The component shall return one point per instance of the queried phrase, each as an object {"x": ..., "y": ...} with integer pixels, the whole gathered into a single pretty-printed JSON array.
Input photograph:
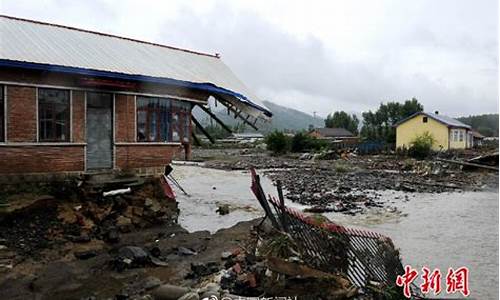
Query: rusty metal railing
[{"x": 367, "y": 258}]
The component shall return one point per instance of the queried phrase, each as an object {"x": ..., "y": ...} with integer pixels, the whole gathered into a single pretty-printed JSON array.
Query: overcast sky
[{"x": 318, "y": 56}]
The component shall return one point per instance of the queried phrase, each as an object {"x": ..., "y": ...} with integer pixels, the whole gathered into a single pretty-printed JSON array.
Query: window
[
  {"x": 2, "y": 114},
  {"x": 53, "y": 115},
  {"x": 461, "y": 136},
  {"x": 181, "y": 121},
  {"x": 424, "y": 119},
  {"x": 163, "y": 120},
  {"x": 455, "y": 135}
]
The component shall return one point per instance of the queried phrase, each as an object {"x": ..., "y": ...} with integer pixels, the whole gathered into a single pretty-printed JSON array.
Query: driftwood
[{"x": 464, "y": 163}]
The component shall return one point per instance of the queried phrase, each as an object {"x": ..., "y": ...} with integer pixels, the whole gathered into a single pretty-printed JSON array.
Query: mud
[{"x": 352, "y": 183}]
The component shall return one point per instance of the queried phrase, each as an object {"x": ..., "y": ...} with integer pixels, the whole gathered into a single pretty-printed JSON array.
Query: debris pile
[
  {"x": 33, "y": 223},
  {"x": 268, "y": 264}
]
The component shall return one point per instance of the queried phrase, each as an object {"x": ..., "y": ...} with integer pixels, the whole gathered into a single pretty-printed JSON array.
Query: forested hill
[{"x": 486, "y": 124}]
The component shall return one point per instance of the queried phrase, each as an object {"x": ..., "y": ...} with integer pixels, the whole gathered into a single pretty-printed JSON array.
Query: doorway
[{"x": 99, "y": 131}]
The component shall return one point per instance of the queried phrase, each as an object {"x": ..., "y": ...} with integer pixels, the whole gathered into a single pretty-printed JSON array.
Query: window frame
[
  {"x": 67, "y": 119},
  {"x": 177, "y": 114},
  {"x": 3, "y": 114},
  {"x": 461, "y": 135}
]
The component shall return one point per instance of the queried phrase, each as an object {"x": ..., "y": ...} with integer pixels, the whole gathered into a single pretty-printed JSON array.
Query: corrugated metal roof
[
  {"x": 334, "y": 132},
  {"x": 440, "y": 118},
  {"x": 54, "y": 45},
  {"x": 448, "y": 120}
]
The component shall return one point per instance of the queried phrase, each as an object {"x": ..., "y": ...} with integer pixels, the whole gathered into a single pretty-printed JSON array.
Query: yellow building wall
[
  {"x": 409, "y": 130},
  {"x": 458, "y": 144}
]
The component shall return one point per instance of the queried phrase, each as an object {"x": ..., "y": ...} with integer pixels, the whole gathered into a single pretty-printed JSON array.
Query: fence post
[{"x": 282, "y": 205}]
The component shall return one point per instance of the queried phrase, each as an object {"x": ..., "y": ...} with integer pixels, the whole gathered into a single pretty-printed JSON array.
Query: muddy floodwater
[
  {"x": 434, "y": 230},
  {"x": 210, "y": 188}
]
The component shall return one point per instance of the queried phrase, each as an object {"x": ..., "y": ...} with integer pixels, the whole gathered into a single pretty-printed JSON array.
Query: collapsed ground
[{"x": 60, "y": 241}]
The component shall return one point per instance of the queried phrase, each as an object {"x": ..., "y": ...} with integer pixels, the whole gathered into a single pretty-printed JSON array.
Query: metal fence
[{"x": 365, "y": 257}]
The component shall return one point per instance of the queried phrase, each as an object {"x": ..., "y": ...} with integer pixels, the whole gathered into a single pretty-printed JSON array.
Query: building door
[{"x": 99, "y": 131}]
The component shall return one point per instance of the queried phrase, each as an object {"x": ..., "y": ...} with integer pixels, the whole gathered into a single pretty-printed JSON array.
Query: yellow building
[{"x": 448, "y": 133}]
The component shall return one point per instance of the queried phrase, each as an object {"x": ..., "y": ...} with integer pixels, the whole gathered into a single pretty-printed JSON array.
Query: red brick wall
[
  {"x": 78, "y": 116},
  {"x": 36, "y": 159},
  {"x": 21, "y": 109},
  {"x": 124, "y": 118},
  {"x": 141, "y": 156}
]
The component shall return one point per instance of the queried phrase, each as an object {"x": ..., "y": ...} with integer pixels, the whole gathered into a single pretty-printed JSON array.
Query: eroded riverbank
[{"x": 441, "y": 230}]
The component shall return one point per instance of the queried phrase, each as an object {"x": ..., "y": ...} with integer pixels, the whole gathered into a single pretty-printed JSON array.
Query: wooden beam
[
  {"x": 237, "y": 114},
  {"x": 464, "y": 163},
  {"x": 213, "y": 116},
  {"x": 195, "y": 138},
  {"x": 229, "y": 108},
  {"x": 202, "y": 130}
]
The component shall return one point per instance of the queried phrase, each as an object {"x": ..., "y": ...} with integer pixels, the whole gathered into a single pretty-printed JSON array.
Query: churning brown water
[{"x": 433, "y": 230}]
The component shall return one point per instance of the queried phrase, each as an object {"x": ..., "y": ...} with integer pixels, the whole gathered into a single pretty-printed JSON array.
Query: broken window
[
  {"x": 424, "y": 119},
  {"x": 181, "y": 121},
  {"x": 163, "y": 120},
  {"x": 2, "y": 114},
  {"x": 53, "y": 115}
]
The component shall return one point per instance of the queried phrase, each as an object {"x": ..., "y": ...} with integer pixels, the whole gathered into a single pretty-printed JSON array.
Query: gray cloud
[{"x": 283, "y": 66}]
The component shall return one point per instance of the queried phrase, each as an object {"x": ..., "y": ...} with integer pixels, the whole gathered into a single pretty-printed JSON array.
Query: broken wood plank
[
  {"x": 464, "y": 163},
  {"x": 198, "y": 125},
  {"x": 213, "y": 116},
  {"x": 230, "y": 108}
]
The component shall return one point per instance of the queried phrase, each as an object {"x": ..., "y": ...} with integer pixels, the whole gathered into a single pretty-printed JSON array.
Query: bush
[
  {"x": 421, "y": 146},
  {"x": 300, "y": 142},
  {"x": 303, "y": 142},
  {"x": 278, "y": 142}
]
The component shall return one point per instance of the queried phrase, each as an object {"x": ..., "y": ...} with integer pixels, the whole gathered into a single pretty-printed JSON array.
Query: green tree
[
  {"x": 217, "y": 132},
  {"x": 379, "y": 125},
  {"x": 278, "y": 142},
  {"x": 487, "y": 124},
  {"x": 341, "y": 119},
  {"x": 301, "y": 141}
]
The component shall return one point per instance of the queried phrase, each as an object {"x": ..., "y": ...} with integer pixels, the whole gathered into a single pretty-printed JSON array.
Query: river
[{"x": 434, "y": 230}]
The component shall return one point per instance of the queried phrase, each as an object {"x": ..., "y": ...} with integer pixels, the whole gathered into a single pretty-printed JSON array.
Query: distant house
[
  {"x": 477, "y": 138},
  {"x": 448, "y": 133},
  {"x": 331, "y": 133}
]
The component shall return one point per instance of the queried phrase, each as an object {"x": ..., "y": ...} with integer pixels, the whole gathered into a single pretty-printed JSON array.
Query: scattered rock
[
  {"x": 185, "y": 251},
  {"x": 124, "y": 224},
  {"x": 223, "y": 209},
  {"x": 169, "y": 292},
  {"x": 151, "y": 283},
  {"x": 199, "y": 269},
  {"x": 190, "y": 296},
  {"x": 85, "y": 254},
  {"x": 226, "y": 255}
]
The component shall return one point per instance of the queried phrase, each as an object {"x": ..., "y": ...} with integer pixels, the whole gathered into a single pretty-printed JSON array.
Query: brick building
[{"x": 73, "y": 100}]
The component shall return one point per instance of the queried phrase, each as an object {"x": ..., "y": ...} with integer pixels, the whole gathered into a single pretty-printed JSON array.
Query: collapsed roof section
[{"x": 44, "y": 46}]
